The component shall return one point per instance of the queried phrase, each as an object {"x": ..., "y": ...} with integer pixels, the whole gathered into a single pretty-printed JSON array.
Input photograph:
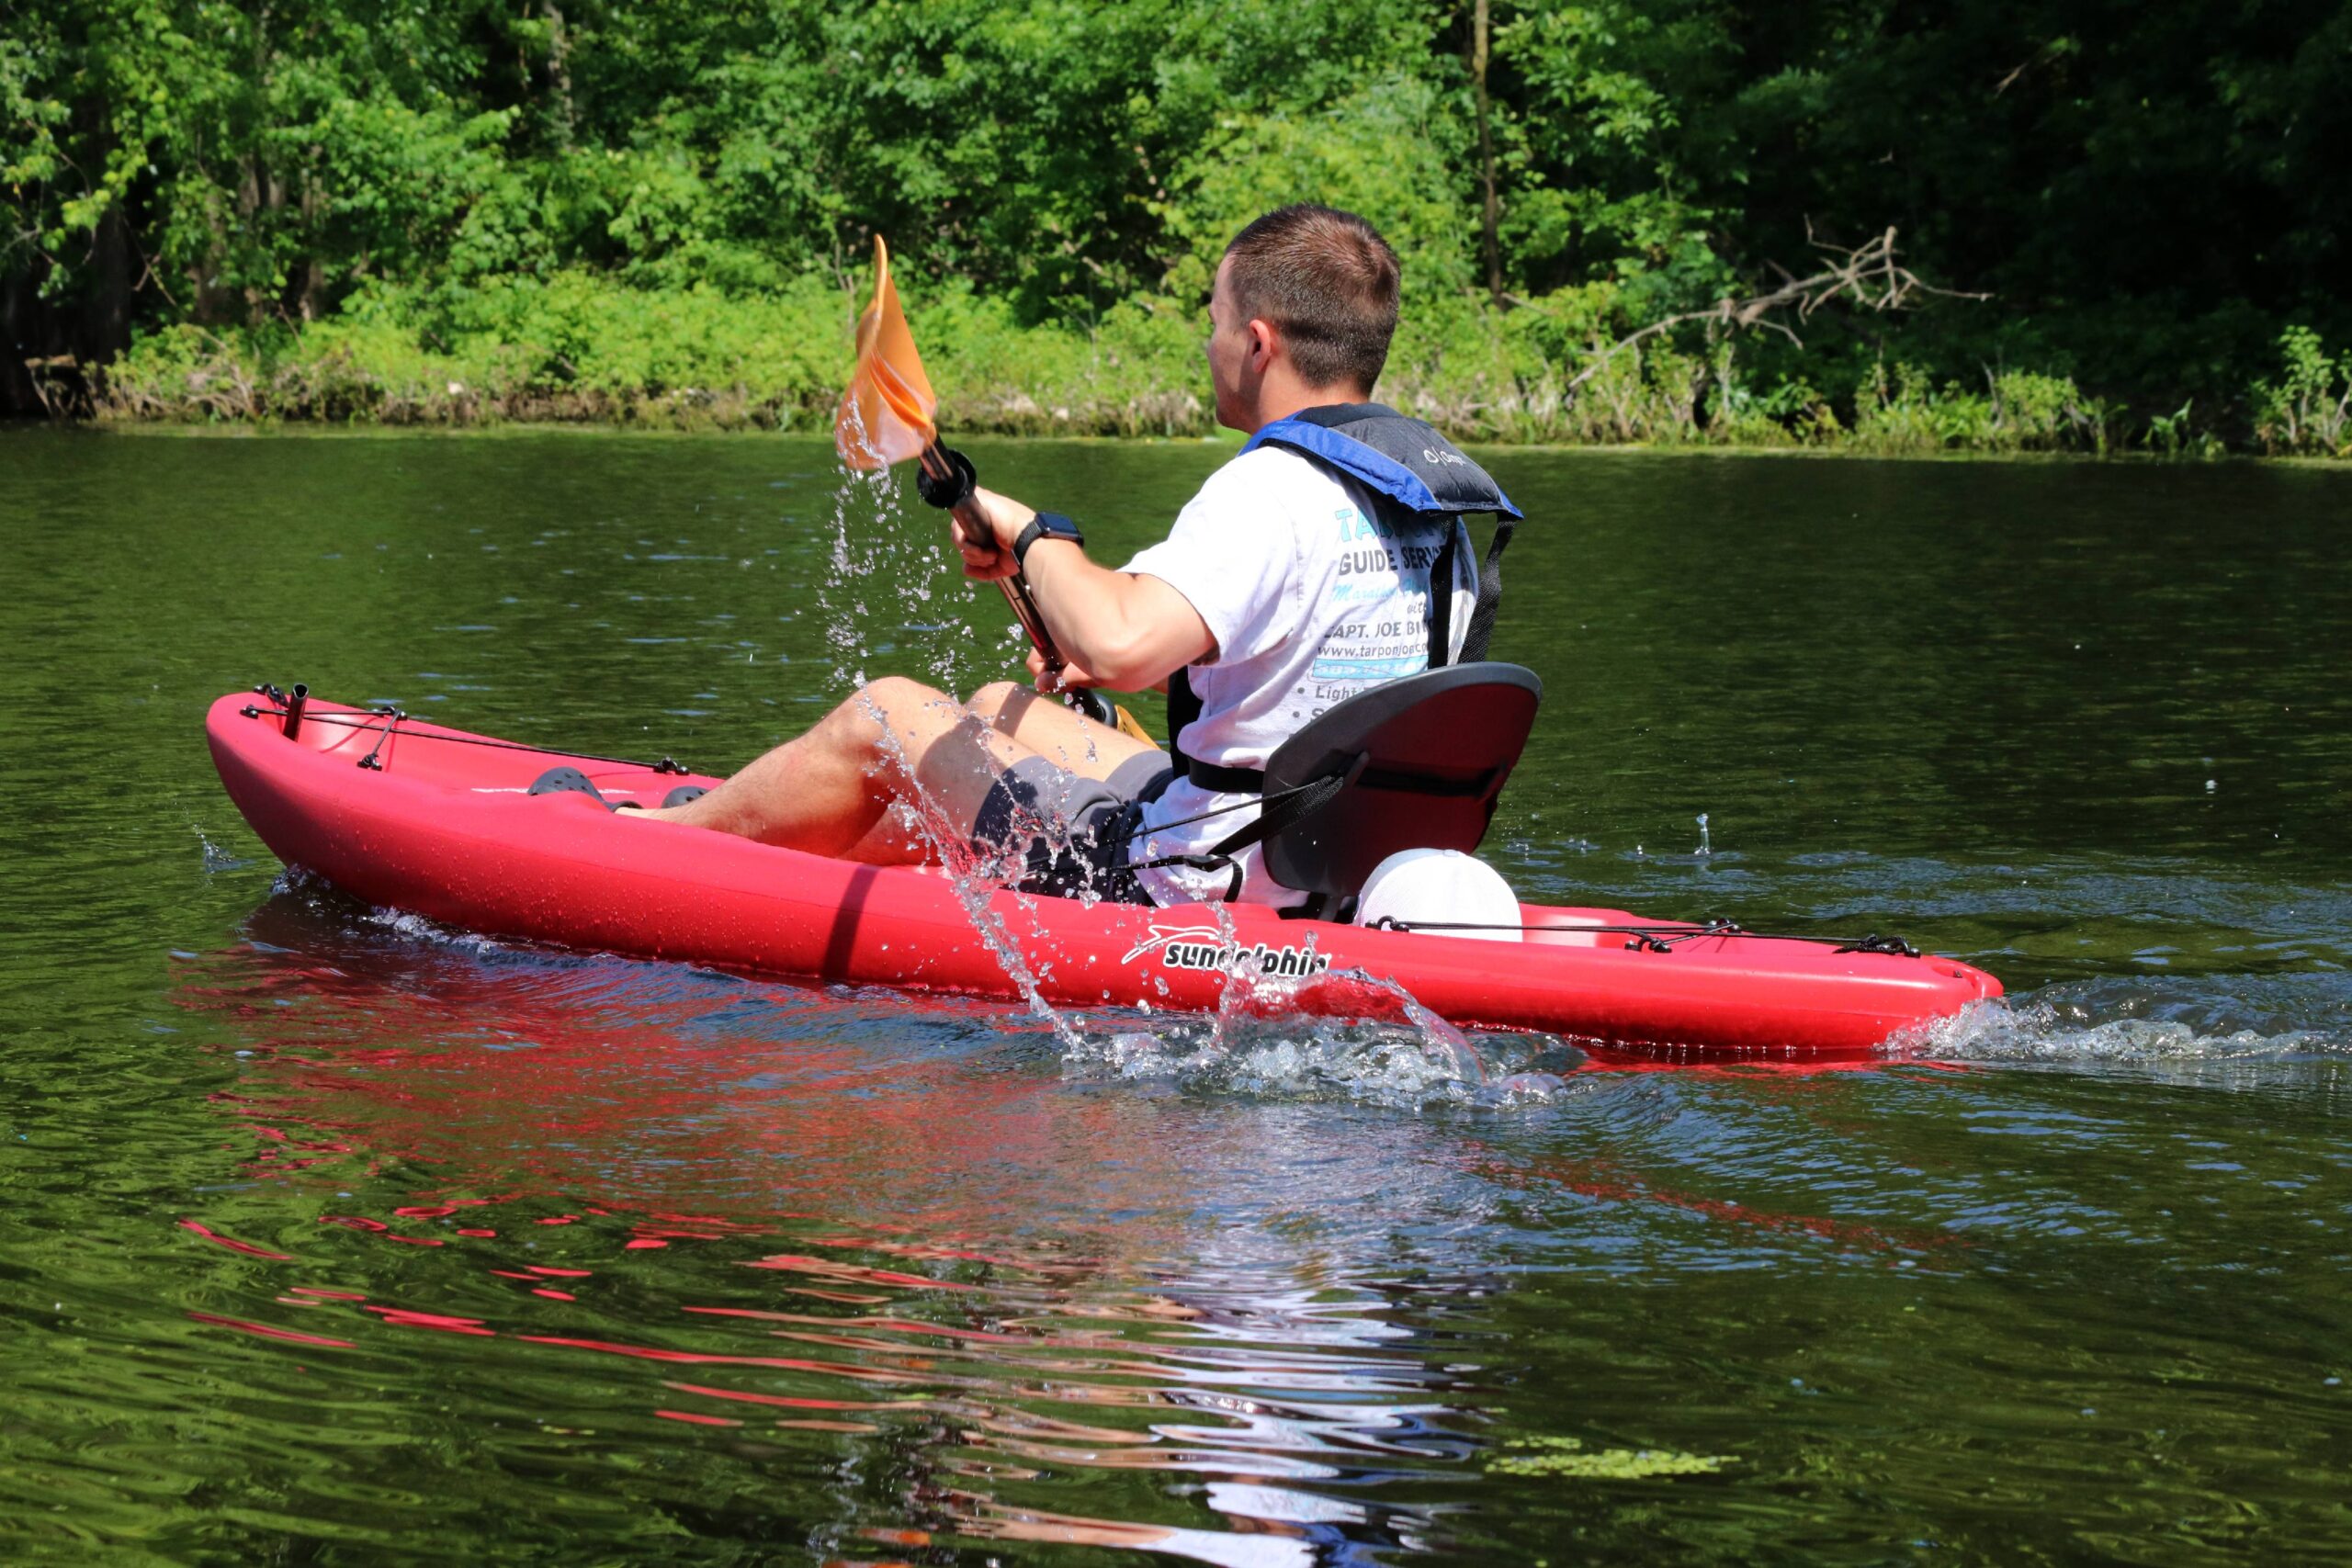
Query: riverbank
[{"x": 577, "y": 349}]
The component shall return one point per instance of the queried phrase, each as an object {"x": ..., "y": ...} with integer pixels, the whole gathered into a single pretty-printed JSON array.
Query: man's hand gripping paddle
[{"x": 886, "y": 417}]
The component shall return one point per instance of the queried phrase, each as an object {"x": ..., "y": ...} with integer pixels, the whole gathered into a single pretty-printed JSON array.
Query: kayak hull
[{"x": 441, "y": 827}]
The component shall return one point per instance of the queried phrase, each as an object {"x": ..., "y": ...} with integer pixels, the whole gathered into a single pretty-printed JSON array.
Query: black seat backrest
[{"x": 1429, "y": 753}]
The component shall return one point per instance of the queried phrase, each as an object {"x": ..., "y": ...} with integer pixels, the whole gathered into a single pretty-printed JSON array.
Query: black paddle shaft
[{"x": 945, "y": 478}]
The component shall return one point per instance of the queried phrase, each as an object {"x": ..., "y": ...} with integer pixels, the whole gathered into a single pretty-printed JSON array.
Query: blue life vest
[{"x": 1405, "y": 463}]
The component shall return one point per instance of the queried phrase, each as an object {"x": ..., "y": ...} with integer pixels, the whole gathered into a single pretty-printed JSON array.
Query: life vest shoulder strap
[{"x": 1396, "y": 454}]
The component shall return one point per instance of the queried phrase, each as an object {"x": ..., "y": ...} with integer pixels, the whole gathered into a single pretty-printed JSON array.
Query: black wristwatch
[{"x": 1045, "y": 525}]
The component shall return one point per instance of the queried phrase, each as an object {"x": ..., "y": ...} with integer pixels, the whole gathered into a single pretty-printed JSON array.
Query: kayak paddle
[{"x": 887, "y": 416}]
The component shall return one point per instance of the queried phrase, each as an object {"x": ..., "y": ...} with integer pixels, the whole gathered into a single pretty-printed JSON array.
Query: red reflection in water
[
  {"x": 1607, "y": 1181},
  {"x": 271, "y": 1331},
  {"x": 390, "y": 1064},
  {"x": 791, "y": 1402},
  {"x": 649, "y": 1109},
  {"x": 248, "y": 1248},
  {"x": 712, "y": 1358},
  {"x": 830, "y": 1268},
  {"x": 400, "y": 1317}
]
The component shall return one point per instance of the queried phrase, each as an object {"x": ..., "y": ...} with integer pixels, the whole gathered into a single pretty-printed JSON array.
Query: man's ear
[{"x": 1264, "y": 338}]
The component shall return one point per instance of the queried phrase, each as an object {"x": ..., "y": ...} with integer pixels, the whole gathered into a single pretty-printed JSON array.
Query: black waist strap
[
  {"x": 1219, "y": 780},
  {"x": 1252, "y": 781}
]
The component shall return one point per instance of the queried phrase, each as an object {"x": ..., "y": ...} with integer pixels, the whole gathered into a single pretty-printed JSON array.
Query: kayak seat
[{"x": 1418, "y": 762}]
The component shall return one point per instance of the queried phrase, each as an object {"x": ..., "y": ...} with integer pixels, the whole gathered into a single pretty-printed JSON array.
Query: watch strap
[{"x": 1045, "y": 525}]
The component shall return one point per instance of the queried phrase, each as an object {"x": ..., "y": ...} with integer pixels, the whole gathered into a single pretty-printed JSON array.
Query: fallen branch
[
  {"x": 57, "y": 382},
  {"x": 1866, "y": 276}
]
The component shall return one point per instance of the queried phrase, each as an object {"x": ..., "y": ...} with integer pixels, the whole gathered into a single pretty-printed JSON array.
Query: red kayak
[{"x": 415, "y": 816}]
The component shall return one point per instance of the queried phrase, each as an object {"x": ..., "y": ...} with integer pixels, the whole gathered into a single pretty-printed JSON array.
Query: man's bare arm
[{"x": 1128, "y": 631}]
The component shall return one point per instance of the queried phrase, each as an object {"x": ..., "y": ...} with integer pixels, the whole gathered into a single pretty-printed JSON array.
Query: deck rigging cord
[
  {"x": 395, "y": 716},
  {"x": 1664, "y": 938}
]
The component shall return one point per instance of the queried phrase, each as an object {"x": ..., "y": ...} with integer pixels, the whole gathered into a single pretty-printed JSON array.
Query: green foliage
[
  {"x": 2018, "y": 411},
  {"x": 662, "y": 207},
  {"x": 582, "y": 345},
  {"x": 1388, "y": 152},
  {"x": 1603, "y": 149},
  {"x": 2302, "y": 411}
]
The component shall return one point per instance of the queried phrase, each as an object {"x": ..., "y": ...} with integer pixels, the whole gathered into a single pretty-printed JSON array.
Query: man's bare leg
[
  {"x": 1040, "y": 726},
  {"x": 1048, "y": 728},
  {"x": 900, "y": 836},
  {"x": 826, "y": 791}
]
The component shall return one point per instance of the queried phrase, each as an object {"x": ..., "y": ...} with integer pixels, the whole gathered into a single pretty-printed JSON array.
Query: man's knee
[
  {"x": 891, "y": 701},
  {"x": 1001, "y": 702},
  {"x": 894, "y": 716},
  {"x": 895, "y": 691}
]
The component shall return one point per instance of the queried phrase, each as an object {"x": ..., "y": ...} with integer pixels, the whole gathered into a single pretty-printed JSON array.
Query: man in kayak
[{"x": 1298, "y": 576}]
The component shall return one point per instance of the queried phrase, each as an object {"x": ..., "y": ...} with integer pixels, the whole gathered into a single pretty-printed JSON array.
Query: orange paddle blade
[{"x": 885, "y": 415}]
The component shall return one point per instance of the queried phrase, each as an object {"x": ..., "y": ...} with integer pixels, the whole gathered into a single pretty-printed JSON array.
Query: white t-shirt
[{"x": 1312, "y": 598}]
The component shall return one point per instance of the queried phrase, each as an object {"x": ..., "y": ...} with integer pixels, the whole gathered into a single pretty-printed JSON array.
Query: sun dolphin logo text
[{"x": 1204, "y": 947}]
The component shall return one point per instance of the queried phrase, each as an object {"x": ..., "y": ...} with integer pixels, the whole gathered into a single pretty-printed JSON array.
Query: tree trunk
[
  {"x": 20, "y": 337},
  {"x": 107, "y": 324},
  {"x": 311, "y": 302},
  {"x": 1479, "y": 31},
  {"x": 107, "y": 277},
  {"x": 560, "y": 70}
]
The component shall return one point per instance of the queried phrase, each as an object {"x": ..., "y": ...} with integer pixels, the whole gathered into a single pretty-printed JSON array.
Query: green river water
[{"x": 328, "y": 1236}]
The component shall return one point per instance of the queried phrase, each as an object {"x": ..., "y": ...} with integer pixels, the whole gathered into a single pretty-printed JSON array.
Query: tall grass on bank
[{"x": 580, "y": 348}]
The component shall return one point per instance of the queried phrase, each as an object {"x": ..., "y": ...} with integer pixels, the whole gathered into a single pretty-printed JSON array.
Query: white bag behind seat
[{"x": 1440, "y": 886}]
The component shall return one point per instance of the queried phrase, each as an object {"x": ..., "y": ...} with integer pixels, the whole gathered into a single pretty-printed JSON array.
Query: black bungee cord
[
  {"x": 1664, "y": 939},
  {"x": 394, "y": 716}
]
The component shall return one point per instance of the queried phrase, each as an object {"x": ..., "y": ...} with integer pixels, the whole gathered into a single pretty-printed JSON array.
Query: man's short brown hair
[{"x": 1327, "y": 281}]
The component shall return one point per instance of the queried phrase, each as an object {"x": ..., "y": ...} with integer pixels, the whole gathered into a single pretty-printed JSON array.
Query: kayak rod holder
[{"x": 294, "y": 701}]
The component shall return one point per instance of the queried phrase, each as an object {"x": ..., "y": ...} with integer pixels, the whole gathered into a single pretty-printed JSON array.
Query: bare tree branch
[{"x": 1866, "y": 276}]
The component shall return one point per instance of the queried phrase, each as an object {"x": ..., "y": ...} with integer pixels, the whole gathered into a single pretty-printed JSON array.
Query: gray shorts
[{"x": 1059, "y": 834}]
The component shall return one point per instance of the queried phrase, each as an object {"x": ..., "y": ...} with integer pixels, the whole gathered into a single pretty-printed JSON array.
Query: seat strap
[
  {"x": 1278, "y": 814},
  {"x": 1482, "y": 614},
  {"x": 1183, "y": 707},
  {"x": 1490, "y": 592},
  {"x": 1440, "y": 616},
  {"x": 1283, "y": 811}
]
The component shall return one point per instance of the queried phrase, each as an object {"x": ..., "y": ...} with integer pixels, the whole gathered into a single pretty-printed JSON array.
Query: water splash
[
  {"x": 2079, "y": 1025},
  {"x": 216, "y": 858},
  {"x": 864, "y": 550},
  {"x": 1386, "y": 1048}
]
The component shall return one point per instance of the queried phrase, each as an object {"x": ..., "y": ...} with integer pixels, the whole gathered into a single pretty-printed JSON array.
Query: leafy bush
[
  {"x": 2303, "y": 412},
  {"x": 2018, "y": 411}
]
